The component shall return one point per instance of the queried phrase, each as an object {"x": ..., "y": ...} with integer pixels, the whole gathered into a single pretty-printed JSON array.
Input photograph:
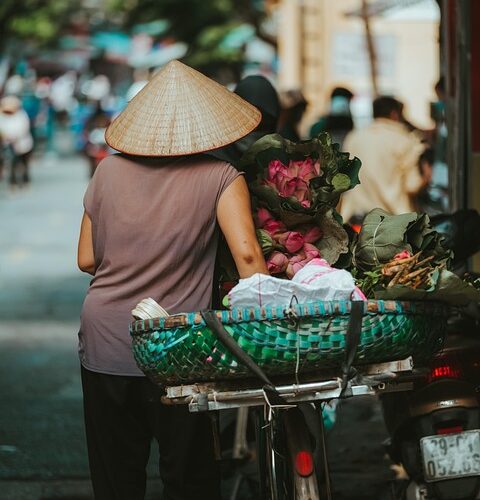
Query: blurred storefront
[
  {"x": 460, "y": 58},
  {"x": 323, "y": 44}
]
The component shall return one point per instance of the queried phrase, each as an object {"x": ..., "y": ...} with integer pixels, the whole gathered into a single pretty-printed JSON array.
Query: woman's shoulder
[
  {"x": 195, "y": 163},
  {"x": 111, "y": 162}
]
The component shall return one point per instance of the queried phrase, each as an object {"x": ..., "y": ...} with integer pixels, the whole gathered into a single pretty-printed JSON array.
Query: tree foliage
[
  {"x": 202, "y": 24},
  {"x": 39, "y": 20}
]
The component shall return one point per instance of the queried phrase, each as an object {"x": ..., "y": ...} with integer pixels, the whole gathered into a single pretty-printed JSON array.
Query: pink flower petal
[{"x": 262, "y": 217}]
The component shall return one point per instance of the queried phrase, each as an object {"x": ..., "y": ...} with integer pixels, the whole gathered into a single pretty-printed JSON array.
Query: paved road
[
  {"x": 42, "y": 445},
  {"x": 42, "y": 450}
]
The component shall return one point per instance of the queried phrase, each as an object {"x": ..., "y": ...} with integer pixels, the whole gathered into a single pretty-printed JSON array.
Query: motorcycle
[{"x": 435, "y": 428}]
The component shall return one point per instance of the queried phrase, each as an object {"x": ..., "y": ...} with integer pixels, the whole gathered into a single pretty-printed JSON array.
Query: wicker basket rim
[{"x": 321, "y": 308}]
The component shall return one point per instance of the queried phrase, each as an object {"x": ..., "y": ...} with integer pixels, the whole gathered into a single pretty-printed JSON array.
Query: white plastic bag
[{"x": 314, "y": 282}]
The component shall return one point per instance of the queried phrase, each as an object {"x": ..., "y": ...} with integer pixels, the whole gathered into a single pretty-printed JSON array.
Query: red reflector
[
  {"x": 444, "y": 371},
  {"x": 450, "y": 430},
  {"x": 304, "y": 463}
]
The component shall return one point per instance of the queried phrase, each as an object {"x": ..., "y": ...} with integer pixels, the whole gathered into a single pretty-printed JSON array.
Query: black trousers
[
  {"x": 122, "y": 417},
  {"x": 19, "y": 169}
]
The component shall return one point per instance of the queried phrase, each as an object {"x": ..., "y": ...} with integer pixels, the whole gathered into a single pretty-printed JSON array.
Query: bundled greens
[
  {"x": 384, "y": 235},
  {"x": 401, "y": 257},
  {"x": 337, "y": 173},
  {"x": 298, "y": 185}
]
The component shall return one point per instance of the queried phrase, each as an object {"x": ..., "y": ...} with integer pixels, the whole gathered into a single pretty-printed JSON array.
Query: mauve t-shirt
[{"x": 155, "y": 235}]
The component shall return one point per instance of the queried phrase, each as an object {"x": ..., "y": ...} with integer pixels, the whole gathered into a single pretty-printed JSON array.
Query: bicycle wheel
[
  {"x": 301, "y": 457},
  {"x": 284, "y": 450}
]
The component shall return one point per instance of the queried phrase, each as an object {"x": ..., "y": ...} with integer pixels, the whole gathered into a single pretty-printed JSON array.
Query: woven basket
[{"x": 182, "y": 348}]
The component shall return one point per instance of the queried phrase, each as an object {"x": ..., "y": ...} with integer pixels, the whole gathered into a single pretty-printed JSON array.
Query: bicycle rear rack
[{"x": 371, "y": 379}]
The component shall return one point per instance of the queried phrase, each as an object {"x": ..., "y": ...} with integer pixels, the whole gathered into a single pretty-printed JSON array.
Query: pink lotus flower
[
  {"x": 291, "y": 240},
  {"x": 274, "y": 226},
  {"x": 308, "y": 253},
  {"x": 279, "y": 183},
  {"x": 302, "y": 191},
  {"x": 277, "y": 263},
  {"x": 405, "y": 254},
  {"x": 288, "y": 188},
  {"x": 262, "y": 217},
  {"x": 295, "y": 264},
  {"x": 305, "y": 169},
  {"x": 276, "y": 167},
  {"x": 292, "y": 181},
  {"x": 312, "y": 234},
  {"x": 311, "y": 252}
]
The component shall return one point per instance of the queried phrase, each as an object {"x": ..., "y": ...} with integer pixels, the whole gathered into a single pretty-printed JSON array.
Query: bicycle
[{"x": 289, "y": 427}]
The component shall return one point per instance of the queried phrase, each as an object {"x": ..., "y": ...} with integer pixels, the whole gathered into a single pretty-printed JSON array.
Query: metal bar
[
  {"x": 240, "y": 445},
  {"x": 217, "y": 402},
  {"x": 377, "y": 378},
  {"x": 403, "y": 365},
  {"x": 389, "y": 368}
]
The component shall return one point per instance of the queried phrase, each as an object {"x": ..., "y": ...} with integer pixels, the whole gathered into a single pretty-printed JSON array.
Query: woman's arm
[
  {"x": 85, "y": 256},
  {"x": 234, "y": 215}
]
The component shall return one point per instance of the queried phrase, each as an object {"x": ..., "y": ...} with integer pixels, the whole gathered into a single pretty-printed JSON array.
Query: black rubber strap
[
  {"x": 229, "y": 342},
  {"x": 354, "y": 329}
]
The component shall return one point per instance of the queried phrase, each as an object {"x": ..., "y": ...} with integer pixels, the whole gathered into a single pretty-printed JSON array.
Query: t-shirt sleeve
[
  {"x": 88, "y": 198},
  {"x": 229, "y": 174}
]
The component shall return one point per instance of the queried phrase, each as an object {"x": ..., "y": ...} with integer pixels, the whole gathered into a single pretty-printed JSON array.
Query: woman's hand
[
  {"x": 234, "y": 214},
  {"x": 85, "y": 256}
]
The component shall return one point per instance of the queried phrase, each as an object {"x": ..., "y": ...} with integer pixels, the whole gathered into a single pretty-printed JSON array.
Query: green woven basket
[{"x": 182, "y": 348}]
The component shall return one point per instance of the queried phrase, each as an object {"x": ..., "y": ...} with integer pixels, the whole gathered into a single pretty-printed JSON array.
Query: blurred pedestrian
[
  {"x": 293, "y": 108},
  {"x": 338, "y": 121},
  {"x": 150, "y": 229},
  {"x": 390, "y": 176},
  {"x": 17, "y": 138},
  {"x": 433, "y": 198},
  {"x": 257, "y": 90},
  {"x": 96, "y": 149}
]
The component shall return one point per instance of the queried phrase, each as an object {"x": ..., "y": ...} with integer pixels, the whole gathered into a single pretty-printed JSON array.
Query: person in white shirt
[
  {"x": 390, "y": 176},
  {"x": 15, "y": 134}
]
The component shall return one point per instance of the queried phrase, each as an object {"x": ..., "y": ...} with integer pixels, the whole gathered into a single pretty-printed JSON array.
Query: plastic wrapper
[{"x": 317, "y": 281}]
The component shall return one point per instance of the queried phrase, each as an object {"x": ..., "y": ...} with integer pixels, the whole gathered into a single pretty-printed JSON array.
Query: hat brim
[{"x": 181, "y": 112}]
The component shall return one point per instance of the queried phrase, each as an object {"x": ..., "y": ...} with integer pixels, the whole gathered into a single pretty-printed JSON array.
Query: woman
[{"x": 150, "y": 229}]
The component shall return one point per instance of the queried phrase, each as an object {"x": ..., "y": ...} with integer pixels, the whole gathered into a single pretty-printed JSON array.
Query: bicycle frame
[{"x": 212, "y": 396}]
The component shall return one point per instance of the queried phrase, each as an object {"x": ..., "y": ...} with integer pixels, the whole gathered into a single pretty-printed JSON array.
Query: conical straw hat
[{"x": 179, "y": 112}]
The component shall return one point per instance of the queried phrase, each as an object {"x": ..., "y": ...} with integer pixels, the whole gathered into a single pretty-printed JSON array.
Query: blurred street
[
  {"x": 41, "y": 437},
  {"x": 42, "y": 443}
]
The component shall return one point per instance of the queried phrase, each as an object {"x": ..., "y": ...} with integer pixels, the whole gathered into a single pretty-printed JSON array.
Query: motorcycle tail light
[
  {"x": 304, "y": 463},
  {"x": 453, "y": 429},
  {"x": 444, "y": 368}
]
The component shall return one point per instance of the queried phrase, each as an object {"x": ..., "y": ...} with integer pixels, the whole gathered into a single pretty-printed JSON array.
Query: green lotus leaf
[{"x": 341, "y": 182}]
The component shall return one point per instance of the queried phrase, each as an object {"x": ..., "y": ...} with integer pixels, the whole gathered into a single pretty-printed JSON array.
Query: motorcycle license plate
[{"x": 451, "y": 455}]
